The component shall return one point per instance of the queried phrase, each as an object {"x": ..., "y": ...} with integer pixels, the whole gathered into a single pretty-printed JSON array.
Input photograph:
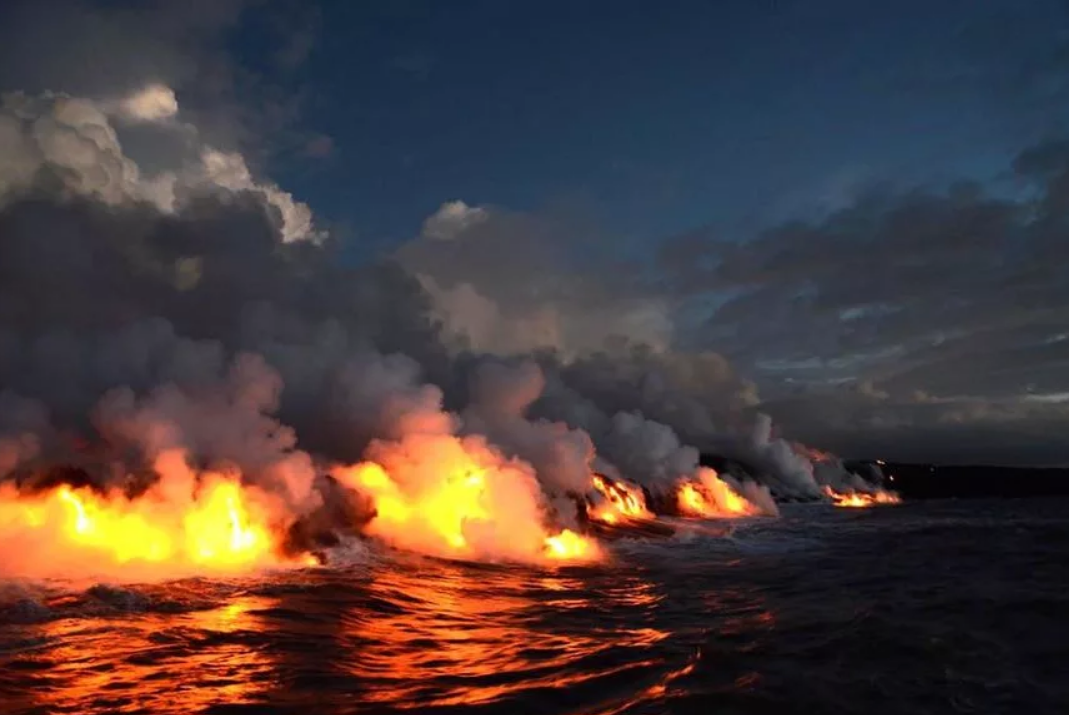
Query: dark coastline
[
  {"x": 929, "y": 481},
  {"x": 939, "y": 481}
]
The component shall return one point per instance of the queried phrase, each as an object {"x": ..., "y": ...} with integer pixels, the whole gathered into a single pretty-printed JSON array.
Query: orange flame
[
  {"x": 621, "y": 500},
  {"x": 861, "y": 500},
  {"x": 712, "y": 497},
  {"x": 455, "y": 497},
  {"x": 188, "y": 522}
]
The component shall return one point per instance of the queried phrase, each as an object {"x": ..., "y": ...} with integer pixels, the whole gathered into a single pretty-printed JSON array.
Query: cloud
[
  {"x": 914, "y": 322},
  {"x": 73, "y": 141},
  {"x": 511, "y": 283},
  {"x": 451, "y": 219},
  {"x": 150, "y": 104},
  {"x": 241, "y": 97},
  {"x": 228, "y": 170},
  {"x": 97, "y": 49},
  {"x": 900, "y": 313}
]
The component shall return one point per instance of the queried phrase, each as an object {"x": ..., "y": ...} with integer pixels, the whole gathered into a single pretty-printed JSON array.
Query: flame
[
  {"x": 456, "y": 497},
  {"x": 711, "y": 496},
  {"x": 187, "y": 522},
  {"x": 860, "y": 500},
  {"x": 622, "y": 500}
]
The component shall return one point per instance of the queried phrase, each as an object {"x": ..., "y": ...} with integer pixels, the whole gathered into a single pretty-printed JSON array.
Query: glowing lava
[
  {"x": 456, "y": 497},
  {"x": 622, "y": 501},
  {"x": 712, "y": 497},
  {"x": 860, "y": 500},
  {"x": 187, "y": 522},
  {"x": 570, "y": 546}
]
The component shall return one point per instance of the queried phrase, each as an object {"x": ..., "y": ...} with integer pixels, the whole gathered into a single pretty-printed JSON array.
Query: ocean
[{"x": 927, "y": 607}]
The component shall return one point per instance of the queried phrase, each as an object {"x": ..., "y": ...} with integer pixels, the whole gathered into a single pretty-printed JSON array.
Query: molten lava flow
[
  {"x": 711, "y": 496},
  {"x": 456, "y": 497},
  {"x": 860, "y": 500},
  {"x": 622, "y": 501},
  {"x": 186, "y": 523}
]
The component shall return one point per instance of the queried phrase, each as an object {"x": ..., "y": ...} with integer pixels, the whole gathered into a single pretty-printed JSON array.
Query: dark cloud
[
  {"x": 95, "y": 49},
  {"x": 954, "y": 294},
  {"x": 107, "y": 50}
]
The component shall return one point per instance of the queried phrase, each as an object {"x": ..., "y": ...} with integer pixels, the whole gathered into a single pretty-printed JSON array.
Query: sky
[{"x": 858, "y": 207}]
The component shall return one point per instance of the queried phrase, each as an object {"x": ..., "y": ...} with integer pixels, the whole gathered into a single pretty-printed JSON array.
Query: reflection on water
[
  {"x": 466, "y": 639},
  {"x": 395, "y": 633},
  {"x": 879, "y": 614},
  {"x": 156, "y": 662}
]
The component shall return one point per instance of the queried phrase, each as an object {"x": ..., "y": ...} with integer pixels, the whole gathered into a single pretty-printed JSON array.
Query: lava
[
  {"x": 457, "y": 497},
  {"x": 187, "y": 522},
  {"x": 860, "y": 500},
  {"x": 570, "y": 546},
  {"x": 711, "y": 496},
  {"x": 621, "y": 501}
]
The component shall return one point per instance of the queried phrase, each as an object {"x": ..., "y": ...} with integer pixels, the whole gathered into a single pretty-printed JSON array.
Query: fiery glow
[
  {"x": 187, "y": 522},
  {"x": 711, "y": 496},
  {"x": 570, "y": 546},
  {"x": 813, "y": 454},
  {"x": 456, "y": 497},
  {"x": 622, "y": 500},
  {"x": 860, "y": 500}
]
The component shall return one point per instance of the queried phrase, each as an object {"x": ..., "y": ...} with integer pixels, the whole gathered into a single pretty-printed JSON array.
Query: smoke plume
[{"x": 188, "y": 364}]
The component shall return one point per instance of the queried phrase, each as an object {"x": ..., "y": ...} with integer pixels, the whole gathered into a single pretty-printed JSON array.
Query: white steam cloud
[
  {"x": 156, "y": 327},
  {"x": 150, "y": 104},
  {"x": 73, "y": 141}
]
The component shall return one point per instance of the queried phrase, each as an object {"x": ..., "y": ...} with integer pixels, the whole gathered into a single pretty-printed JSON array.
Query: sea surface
[{"x": 933, "y": 607}]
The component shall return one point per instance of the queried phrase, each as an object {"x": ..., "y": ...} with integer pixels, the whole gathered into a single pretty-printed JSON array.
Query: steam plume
[{"x": 186, "y": 344}]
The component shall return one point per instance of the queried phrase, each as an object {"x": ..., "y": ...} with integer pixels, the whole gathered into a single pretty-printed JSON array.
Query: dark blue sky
[{"x": 654, "y": 118}]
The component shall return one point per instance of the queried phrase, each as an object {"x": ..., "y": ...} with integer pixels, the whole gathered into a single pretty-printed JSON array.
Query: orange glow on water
[{"x": 492, "y": 639}]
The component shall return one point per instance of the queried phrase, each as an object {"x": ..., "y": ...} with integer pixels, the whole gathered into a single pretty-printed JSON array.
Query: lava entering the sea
[
  {"x": 621, "y": 501},
  {"x": 710, "y": 497},
  {"x": 187, "y": 522},
  {"x": 456, "y": 497},
  {"x": 860, "y": 500}
]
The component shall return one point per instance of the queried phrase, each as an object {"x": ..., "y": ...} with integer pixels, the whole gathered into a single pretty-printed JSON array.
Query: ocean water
[{"x": 935, "y": 607}]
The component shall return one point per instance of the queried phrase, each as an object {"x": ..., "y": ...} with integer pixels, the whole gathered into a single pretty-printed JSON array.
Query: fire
[
  {"x": 456, "y": 497},
  {"x": 862, "y": 499},
  {"x": 711, "y": 496},
  {"x": 187, "y": 522},
  {"x": 622, "y": 500}
]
